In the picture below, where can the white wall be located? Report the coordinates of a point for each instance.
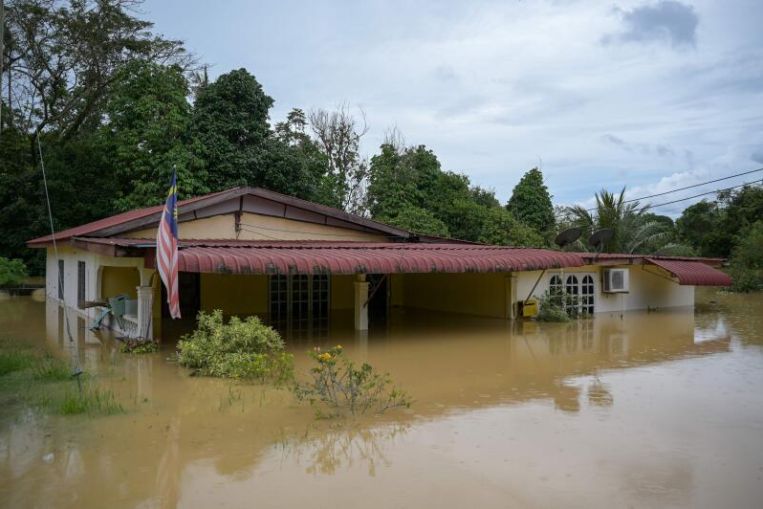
(650, 286)
(71, 256)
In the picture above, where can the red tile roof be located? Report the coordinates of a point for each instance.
(633, 258)
(694, 273)
(351, 258)
(346, 257)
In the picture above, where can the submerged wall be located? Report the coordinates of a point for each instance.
(105, 276)
(650, 287)
(235, 294)
(478, 294)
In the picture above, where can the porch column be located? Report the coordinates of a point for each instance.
(145, 307)
(361, 298)
(145, 304)
(511, 296)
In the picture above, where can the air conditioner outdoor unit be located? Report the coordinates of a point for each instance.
(615, 280)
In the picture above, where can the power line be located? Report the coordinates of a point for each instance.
(689, 187)
(692, 186)
(706, 193)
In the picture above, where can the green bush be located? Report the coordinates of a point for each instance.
(551, 309)
(137, 346)
(245, 349)
(338, 386)
(12, 272)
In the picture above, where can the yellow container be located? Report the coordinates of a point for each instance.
(530, 308)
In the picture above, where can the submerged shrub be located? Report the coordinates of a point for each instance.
(339, 386)
(246, 349)
(551, 309)
(139, 346)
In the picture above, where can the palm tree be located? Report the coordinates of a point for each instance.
(634, 229)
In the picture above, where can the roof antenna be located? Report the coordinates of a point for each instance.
(599, 239)
(568, 236)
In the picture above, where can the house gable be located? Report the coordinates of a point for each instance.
(222, 215)
(249, 226)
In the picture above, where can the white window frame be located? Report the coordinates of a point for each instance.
(582, 285)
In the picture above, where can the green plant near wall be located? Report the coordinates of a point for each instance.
(552, 307)
(339, 386)
(242, 349)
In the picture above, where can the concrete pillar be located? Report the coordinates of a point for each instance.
(145, 310)
(511, 296)
(361, 296)
(145, 276)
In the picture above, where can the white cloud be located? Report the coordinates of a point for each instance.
(493, 86)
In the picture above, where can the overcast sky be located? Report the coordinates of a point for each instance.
(653, 95)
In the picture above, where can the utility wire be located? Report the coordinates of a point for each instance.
(706, 193)
(689, 187)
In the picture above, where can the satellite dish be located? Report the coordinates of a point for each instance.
(568, 236)
(599, 238)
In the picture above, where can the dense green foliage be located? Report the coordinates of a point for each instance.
(747, 259)
(337, 386)
(408, 188)
(714, 228)
(729, 227)
(531, 203)
(12, 272)
(148, 118)
(243, 349)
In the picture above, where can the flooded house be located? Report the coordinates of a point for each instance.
(300, 265)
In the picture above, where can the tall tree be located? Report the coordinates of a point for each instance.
(145, 135)
(62, 57)
(530, 202)
(230, 123)
(338, 134)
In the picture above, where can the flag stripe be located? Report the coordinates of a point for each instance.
(167, 250)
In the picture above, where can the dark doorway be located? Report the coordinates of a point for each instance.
(189, 288)
(378, 303)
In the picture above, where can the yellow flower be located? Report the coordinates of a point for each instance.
(338, 347)
(325, 356)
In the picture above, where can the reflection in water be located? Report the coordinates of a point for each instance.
(607, 411)
(599, 394)
(344, 448)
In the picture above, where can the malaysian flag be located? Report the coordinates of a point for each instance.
(167, 248)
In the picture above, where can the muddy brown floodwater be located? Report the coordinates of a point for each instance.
(659, 409)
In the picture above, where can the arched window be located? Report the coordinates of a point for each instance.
(586, 295)
(572, 297)
(556, 290)
(576, 293)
